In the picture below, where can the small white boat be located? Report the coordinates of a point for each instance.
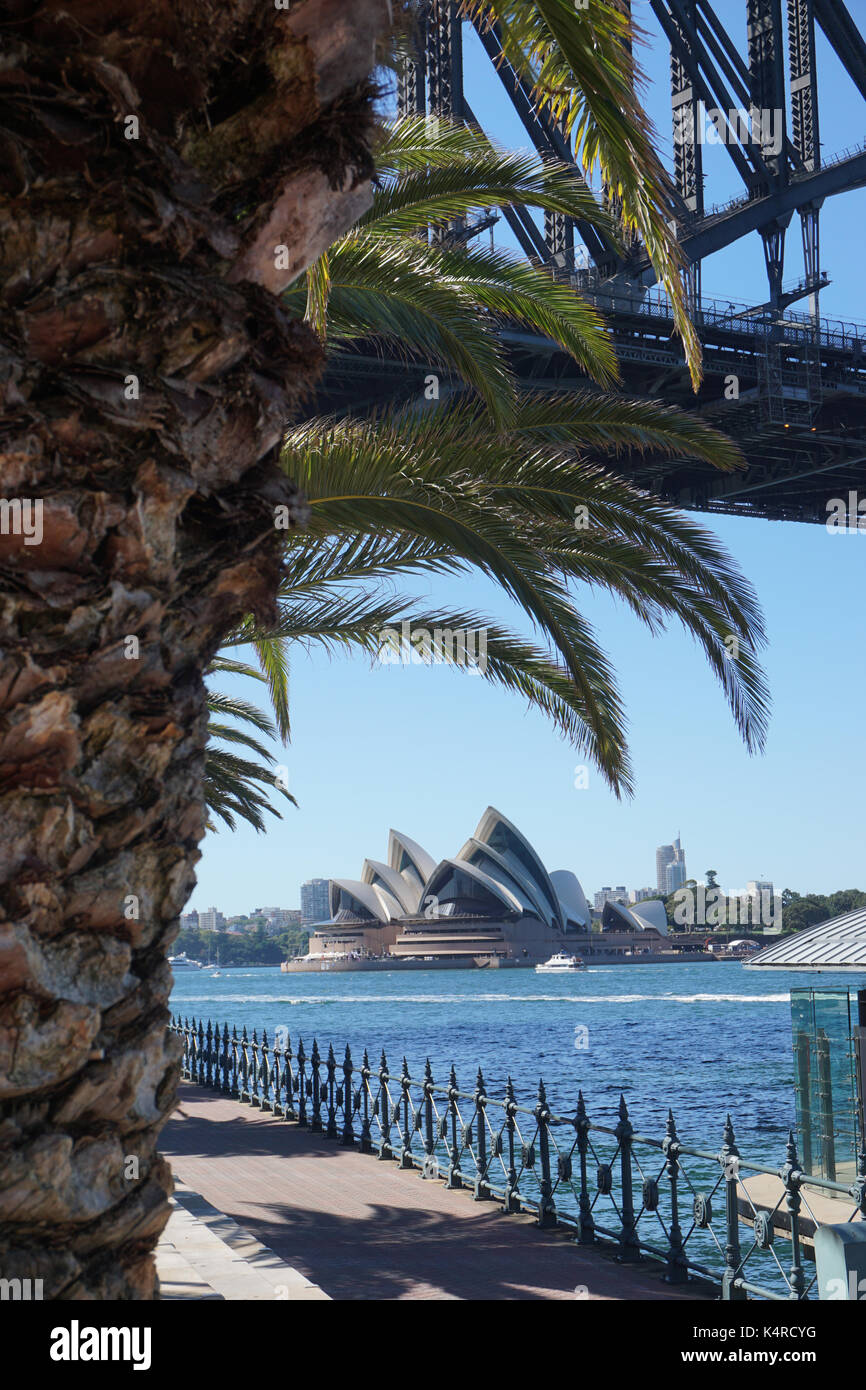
(559, 964)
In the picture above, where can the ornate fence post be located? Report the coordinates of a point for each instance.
(586, 1223)
(629, 1249)
(791, 1177)
(265, 1073)
(225, 1066)
(431, 1166)
(332, 1093)
(546, 1205)
(208, 1071)
(190, 1055)
(512, 1199)
(454, 1179)
(366, 1142)
(244, 1095)
(315, 1063)
(729, 1157)
(383, 1101)
(347, 1138)
(406, 1101)
(254, 1071)
(289, 1082)
(481, 1185)
(200, 1053)
(676, 1265)
(235, 1089)
(302, 1085)
(276, 1074)
(183, 1030)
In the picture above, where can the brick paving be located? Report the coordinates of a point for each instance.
(361, 1228)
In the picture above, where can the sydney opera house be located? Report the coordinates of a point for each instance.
(493, 904)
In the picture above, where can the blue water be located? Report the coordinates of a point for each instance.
(702, 1039)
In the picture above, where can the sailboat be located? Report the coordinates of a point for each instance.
(216, 974)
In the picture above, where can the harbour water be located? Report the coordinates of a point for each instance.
(702, 1039)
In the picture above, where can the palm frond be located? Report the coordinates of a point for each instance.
(463, 495)
(237, 786)
(580, 64)
(273, 661)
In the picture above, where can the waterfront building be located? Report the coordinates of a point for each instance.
(212, 920)
(276, 918)
(610, 895)
(675, 877)
(756, 886)
(670, 867)
(640, 895)
(189, 921)
(315, 900)
(493, 904)
(829, 1045)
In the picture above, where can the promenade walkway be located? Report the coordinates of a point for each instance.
(359, 1228)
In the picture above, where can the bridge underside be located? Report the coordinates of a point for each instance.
(796, 406)
(790, 390)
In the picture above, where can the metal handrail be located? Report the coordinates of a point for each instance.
(501, 1149)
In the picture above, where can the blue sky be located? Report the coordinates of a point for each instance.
(425, 749)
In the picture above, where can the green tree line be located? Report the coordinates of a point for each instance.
(799, 910)
(248, 948)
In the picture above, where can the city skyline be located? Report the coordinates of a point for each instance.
(314, 895)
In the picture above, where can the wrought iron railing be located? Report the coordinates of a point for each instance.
(650, 1198)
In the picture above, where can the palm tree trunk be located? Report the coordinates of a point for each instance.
(165, 171)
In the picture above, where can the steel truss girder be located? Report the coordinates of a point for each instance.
(804, 82)
(760, 212)
(767, 73)
(544, 134)
(845, 39)
(688, 149)
(444, 57)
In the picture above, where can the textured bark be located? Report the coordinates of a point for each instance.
(146, 373)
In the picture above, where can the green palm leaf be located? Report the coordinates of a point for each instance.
(234, 785)
(580, 65)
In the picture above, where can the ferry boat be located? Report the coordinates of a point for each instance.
(559, 964)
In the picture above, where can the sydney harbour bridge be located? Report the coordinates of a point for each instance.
(798, 406)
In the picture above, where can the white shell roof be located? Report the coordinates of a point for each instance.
(497, 890)
(634, 919)
(398, 842)
(406, 894)
(484, 832)
(516, 872)
(571, 896)
(384, 906)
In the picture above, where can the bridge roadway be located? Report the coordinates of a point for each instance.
(799, 413)
(364, 1229)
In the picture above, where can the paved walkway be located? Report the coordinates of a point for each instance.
(359, 1228)
(205, 1254)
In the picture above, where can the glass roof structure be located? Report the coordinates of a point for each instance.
(839, 944)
